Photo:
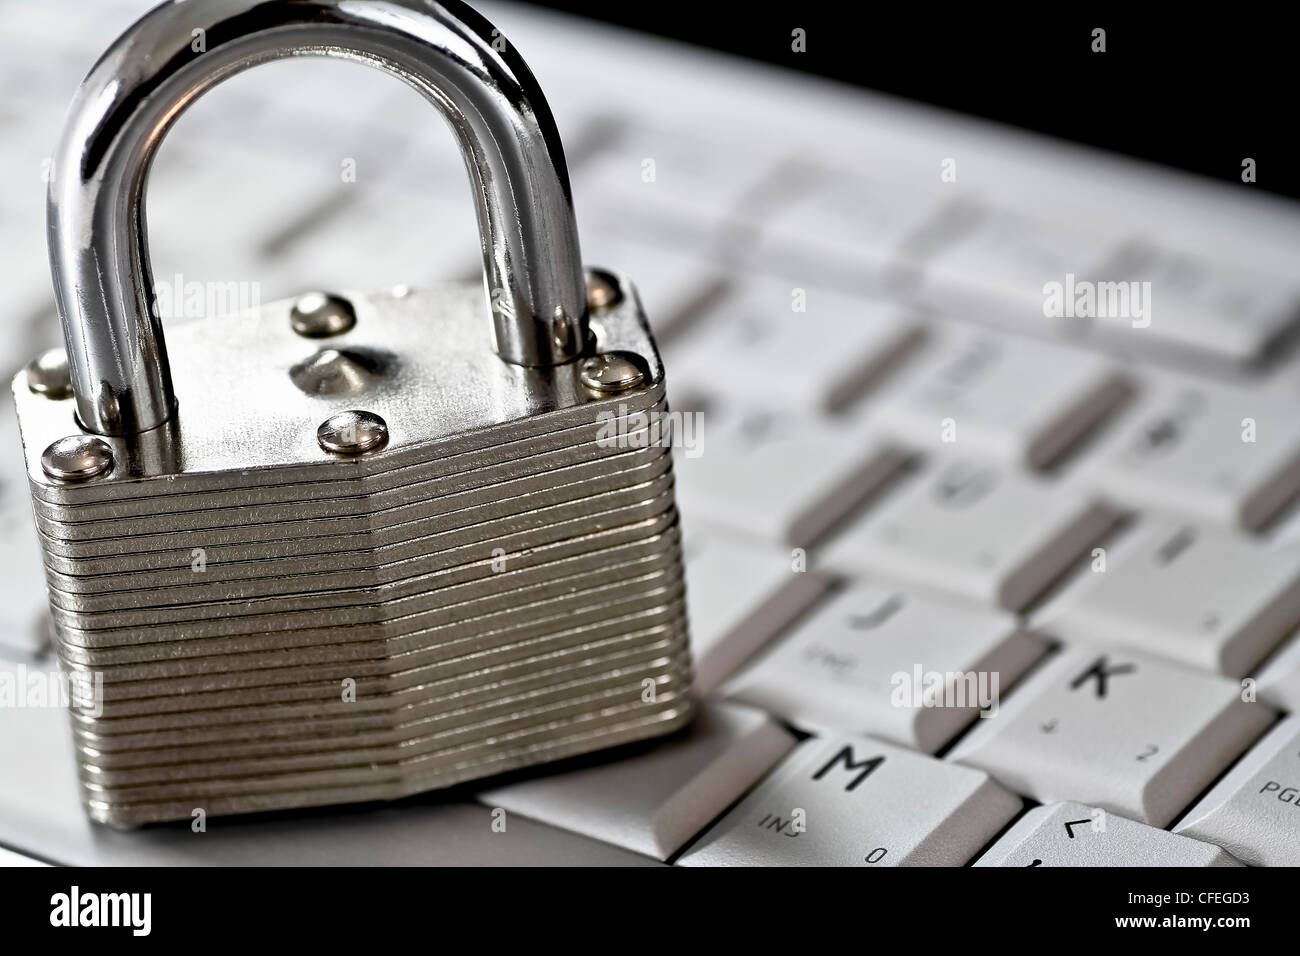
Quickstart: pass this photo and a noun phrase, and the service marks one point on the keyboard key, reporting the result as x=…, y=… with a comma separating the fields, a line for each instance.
x=852, y=801
x=739, y=596
x=975, y=529
x=791, y=347
x=1279, y=679
x=996, y=270
x=1254, y=811
x=1225, y=310
x=652, y=799
x=778, y=476
x=856, y=232
x=1285, y=530
x=1210, y=598
x=1231, y=455
x=1000, y=396
x=1128, y=733
x=669, y=184
x=863, y=660
x=1072, y=834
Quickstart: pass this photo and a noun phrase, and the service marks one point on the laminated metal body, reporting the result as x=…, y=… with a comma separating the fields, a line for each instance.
x=267, y=624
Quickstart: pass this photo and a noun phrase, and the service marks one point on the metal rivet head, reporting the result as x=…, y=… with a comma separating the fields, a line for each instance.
x=352, y=433
x=318, y=315
x=48, y=375
x=338, y=372
x=603, y=291
x=613, y=371
x=77, y=458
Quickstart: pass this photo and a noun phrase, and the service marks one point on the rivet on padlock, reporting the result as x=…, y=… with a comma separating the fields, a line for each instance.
x=352, y=433
x=48, y=375
x=611, y=372
x=602, y=290
x=318, y=315
x=77, y=458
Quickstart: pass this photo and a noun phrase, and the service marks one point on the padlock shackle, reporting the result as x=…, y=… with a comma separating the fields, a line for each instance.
x=99, y=256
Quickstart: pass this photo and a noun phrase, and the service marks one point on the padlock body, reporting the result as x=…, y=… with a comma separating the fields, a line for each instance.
x=273, y=624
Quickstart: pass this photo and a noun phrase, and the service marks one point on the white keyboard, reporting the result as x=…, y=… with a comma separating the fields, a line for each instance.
x=970, y=583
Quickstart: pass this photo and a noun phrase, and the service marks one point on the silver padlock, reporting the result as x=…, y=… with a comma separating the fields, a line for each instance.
x=342, y=549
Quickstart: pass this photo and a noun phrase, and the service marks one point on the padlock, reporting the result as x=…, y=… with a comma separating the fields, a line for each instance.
x=355, y=546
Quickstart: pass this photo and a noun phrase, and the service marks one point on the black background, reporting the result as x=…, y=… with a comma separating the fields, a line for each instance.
x=594, y=910
x=1198, y=86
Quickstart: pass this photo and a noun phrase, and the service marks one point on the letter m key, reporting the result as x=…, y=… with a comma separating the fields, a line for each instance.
x=845, y=756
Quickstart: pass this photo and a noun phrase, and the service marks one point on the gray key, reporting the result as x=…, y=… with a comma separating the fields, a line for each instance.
x=973, y=528
x=1212, y=306
x=975, y=382
x=901, y=665
x=844, y=345
x=995, y=270
x=854, y=801
x=1210, y=598
x=1254, y=811
x=1073, y=834
x=654, y=800
x=1224, y=453
x=739, y=596
x=1126, y=732
x=1279, y=679
x=779, y=476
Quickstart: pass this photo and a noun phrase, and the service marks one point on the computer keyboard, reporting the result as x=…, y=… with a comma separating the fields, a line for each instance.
x=911, y=463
